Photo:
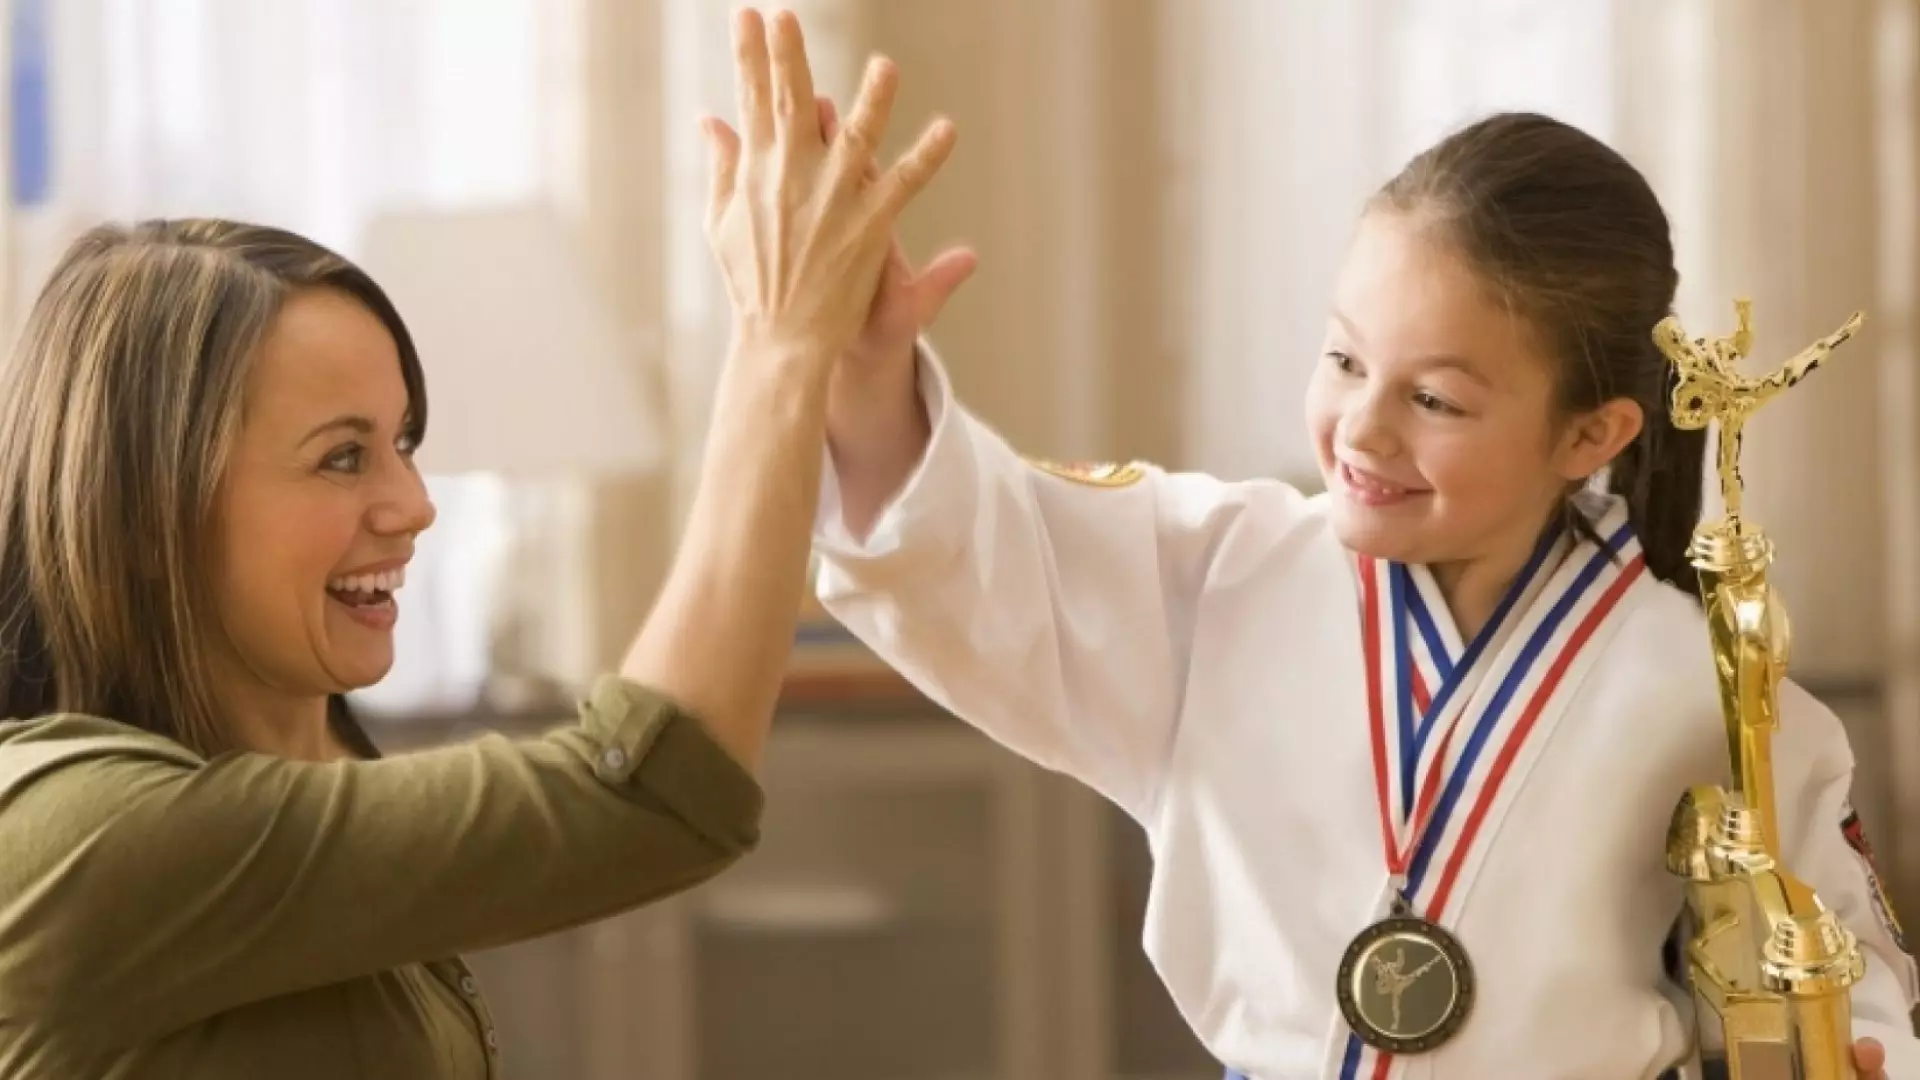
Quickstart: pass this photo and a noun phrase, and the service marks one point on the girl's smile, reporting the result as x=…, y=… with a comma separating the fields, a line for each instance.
x=1376, y=492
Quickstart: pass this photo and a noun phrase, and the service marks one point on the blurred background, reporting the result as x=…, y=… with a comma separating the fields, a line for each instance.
x=1160, y=191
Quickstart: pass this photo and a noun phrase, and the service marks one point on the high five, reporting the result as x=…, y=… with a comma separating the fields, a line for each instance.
x=802, y=227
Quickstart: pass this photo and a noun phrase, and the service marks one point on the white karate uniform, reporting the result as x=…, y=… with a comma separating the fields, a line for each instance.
x=1189, y=648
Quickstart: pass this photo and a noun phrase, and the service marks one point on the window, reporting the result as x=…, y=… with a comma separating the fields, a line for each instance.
x=312, y=114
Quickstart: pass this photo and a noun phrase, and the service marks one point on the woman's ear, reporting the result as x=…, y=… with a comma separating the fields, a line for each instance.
x=1595, y=438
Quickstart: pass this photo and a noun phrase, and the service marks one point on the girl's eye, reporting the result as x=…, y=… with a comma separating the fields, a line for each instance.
x=1342, y=362
x=1433, y=404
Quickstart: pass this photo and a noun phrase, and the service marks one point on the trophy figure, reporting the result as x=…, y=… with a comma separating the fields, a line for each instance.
x=1770, y=968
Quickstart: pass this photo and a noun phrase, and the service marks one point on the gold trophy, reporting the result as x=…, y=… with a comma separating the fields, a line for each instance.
x=1770, y=968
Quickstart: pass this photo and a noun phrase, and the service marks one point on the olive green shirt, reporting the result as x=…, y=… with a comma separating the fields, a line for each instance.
x=167, y=916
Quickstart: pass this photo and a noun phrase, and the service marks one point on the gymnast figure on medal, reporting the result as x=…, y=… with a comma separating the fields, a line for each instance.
x=1391, y=978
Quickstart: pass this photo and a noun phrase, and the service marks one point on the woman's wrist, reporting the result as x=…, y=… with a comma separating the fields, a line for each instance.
x=780, y=354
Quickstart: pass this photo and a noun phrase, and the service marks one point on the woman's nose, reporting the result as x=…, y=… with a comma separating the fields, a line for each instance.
x=407, y=509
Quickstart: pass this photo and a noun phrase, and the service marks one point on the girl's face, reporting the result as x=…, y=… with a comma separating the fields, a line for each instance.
x=1433, y=412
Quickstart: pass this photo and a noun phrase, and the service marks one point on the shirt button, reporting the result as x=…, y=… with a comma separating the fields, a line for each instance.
x=614, y=758
x=468, y=986
x=493, y=1040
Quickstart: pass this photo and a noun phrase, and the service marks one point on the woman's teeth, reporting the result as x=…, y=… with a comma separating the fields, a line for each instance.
x=384, y=582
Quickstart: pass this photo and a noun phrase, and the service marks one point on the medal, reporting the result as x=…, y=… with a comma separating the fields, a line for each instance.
x=1405, y=984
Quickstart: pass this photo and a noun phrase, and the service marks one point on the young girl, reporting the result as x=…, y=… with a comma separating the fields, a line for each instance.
x=1464, y=688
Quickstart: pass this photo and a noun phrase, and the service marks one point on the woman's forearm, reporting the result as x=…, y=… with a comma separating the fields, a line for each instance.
x=801, y=227
x=720, y=634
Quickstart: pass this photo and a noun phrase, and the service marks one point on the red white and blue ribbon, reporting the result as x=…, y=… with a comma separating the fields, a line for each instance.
x=1448, y=724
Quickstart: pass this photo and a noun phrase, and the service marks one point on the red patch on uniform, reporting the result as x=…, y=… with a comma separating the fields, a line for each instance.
x=1856, y=834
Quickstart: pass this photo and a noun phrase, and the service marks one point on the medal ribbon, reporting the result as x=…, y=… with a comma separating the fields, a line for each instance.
x=1408, y=746
x=1461, y=762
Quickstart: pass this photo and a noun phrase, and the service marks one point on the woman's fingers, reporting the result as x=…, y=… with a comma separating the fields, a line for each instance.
x=795, y=116
x=752, y=79
x=830, y=126
x=909, y=175
x=861, y=135
x=829, y=117
x=723, y=154
x=802, y=231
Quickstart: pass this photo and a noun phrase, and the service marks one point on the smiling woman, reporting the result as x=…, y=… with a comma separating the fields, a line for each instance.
x=320, y=503
x=207, y=502
x=249, y=450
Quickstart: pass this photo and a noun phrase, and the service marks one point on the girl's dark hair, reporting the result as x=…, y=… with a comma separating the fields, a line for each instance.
x=1573, y=239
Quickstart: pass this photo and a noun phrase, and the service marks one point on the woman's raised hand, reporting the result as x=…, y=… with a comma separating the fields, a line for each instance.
x=801, y=227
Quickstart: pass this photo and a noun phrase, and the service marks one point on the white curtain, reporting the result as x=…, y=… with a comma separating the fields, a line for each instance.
x=1294, y=114
x=321, y=116
x=313, y=114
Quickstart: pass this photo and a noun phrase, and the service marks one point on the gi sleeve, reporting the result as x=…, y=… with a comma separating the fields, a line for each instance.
x=1052, y=607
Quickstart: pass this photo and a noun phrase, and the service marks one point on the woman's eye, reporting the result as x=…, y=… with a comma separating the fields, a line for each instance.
x=346, y=459
x=1342, y=362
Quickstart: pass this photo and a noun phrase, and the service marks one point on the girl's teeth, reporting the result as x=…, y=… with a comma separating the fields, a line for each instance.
x=1372, y=486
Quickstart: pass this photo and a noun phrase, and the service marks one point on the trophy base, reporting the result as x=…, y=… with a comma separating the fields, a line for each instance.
x=1767, y=1061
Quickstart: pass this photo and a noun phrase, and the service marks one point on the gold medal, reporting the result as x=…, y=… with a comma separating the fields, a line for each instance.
x=1405, y=985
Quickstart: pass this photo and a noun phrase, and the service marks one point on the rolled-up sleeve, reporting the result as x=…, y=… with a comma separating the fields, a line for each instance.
x=160, y=889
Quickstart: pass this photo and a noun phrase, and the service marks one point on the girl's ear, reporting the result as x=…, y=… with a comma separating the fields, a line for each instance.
x=1595, y=438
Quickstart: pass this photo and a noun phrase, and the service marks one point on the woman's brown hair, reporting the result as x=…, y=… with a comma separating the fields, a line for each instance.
x=1572, y=237
x=119, y=409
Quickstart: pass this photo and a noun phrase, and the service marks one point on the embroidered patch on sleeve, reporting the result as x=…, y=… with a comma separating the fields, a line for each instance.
x=1856, y=834
x=1093, y=474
